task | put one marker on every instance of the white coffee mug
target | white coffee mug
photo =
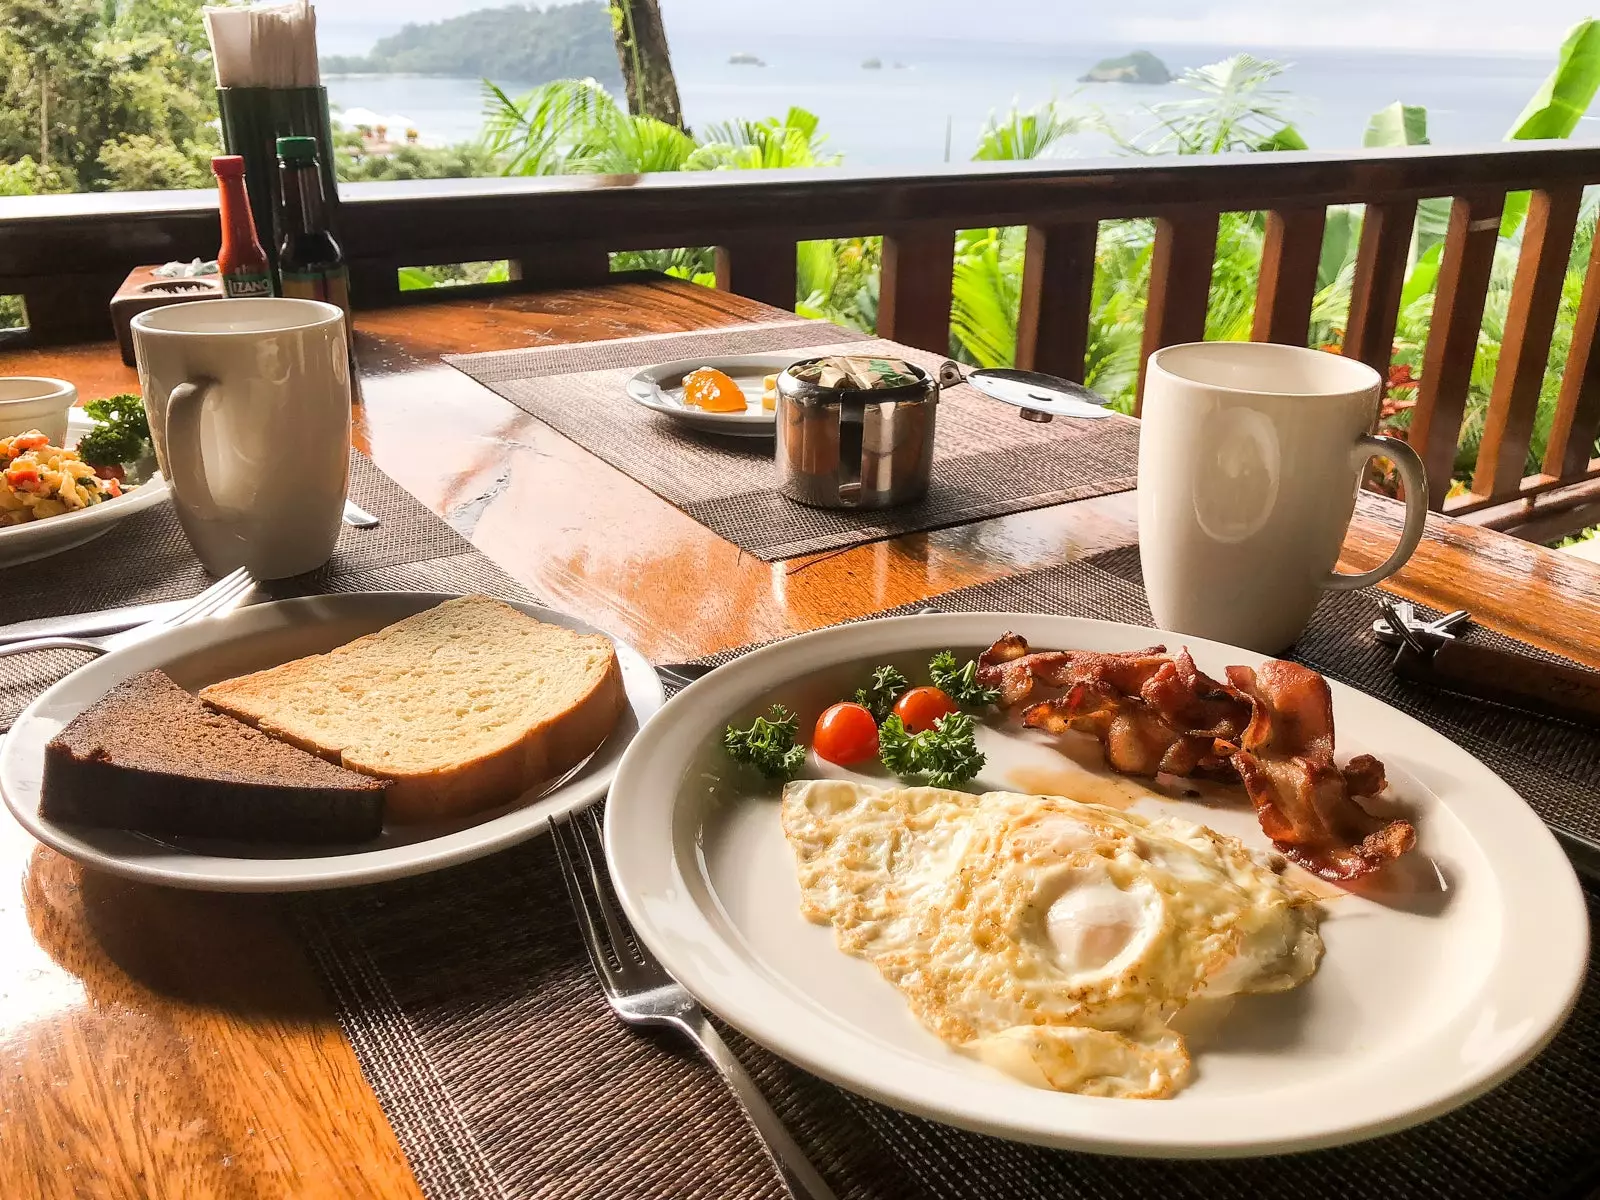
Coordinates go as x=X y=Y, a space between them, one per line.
x=249 y=405
x=1250 y=456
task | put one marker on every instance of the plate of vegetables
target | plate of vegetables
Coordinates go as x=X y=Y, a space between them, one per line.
x=54 y=498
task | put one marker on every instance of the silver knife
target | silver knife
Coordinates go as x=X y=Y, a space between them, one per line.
x=107 y=620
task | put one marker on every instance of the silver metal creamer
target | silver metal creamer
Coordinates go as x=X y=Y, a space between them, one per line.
x=848 y=446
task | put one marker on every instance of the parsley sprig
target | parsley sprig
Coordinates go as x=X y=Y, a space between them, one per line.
x=121 y=433
x=945 y=756
x=887 y=686
x=960 y=683
x=769 y=744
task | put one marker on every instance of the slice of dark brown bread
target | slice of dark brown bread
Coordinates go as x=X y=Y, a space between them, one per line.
x=150 y=756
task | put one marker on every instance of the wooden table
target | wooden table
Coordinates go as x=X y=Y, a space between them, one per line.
x=164 y=1043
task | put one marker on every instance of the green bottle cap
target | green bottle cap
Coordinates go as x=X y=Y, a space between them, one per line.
x=297 y=149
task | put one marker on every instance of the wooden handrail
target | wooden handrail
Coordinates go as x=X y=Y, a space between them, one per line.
x=66 y=254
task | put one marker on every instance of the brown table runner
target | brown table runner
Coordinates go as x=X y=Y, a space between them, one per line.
x=476 y=1017
x=988 y=460
x=146 y=559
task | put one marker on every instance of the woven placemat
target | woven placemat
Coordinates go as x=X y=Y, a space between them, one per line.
x=574 y=358
x=476 y=1017
x=147 y=559
x=987 y=460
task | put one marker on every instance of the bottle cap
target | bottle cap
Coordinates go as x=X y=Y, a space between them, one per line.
x=228 y=166
x=297 y=149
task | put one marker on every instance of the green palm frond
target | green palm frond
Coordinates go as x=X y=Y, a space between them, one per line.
x=1026 y=135
x=1234 y=109
x=986 y=295
x=552 y=129
x=634 y=145
x=771 y=143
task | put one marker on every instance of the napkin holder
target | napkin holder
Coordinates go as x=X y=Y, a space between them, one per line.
x=253 y=119
x=143 y=290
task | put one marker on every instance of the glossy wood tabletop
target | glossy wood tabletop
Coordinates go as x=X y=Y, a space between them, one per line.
x=161 y=1043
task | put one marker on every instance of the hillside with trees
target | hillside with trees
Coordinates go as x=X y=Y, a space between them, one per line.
x=517 y=42
x=104 y=95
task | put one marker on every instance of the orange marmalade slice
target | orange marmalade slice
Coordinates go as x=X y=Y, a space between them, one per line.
x=709 y=389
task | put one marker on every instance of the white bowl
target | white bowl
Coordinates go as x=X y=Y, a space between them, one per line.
x=34 y=402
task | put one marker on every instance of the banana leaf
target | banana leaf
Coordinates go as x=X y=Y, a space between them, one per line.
x=1558 y=105
x=1397 y=125
x=1407 y=125
x=1424 y=276
x=1341 y=238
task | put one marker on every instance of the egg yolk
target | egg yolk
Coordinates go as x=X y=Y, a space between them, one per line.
x=1092 y=923
x=712 y=390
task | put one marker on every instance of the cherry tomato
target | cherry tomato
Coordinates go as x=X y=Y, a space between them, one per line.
x=919 y=708
x=846 y=734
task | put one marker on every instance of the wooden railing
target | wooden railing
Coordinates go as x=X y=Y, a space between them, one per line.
x=66 y=255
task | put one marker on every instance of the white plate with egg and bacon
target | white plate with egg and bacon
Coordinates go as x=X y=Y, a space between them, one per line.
x=1068 y=955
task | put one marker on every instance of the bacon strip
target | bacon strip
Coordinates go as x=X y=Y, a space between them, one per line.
x=1011 y=667
x=1304 y=802
x=1136 y=739
x=1272 y=729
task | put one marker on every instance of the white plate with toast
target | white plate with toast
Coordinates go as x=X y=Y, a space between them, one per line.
x=1441 y=975
x=266 y=636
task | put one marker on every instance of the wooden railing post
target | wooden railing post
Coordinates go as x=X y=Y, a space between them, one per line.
x=1577 y=416
x=1289 y=260
x=760 y=267
x=1453 y=336
x=914 y=290
x=1525 y=344
x=1180 y=286
x=1380 y=278
x=1057 y=290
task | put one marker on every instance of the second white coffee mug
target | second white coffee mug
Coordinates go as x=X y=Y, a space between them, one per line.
x=249 y=406
x=1250 y=456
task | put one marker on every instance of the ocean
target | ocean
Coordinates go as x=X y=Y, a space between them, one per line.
x=929 y=101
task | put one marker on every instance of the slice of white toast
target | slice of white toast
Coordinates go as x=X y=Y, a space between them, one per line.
x=464 y=706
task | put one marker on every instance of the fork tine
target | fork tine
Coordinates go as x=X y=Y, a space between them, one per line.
x=592 y=937
x=217 y=603
x=225 y=589
x=624 y=945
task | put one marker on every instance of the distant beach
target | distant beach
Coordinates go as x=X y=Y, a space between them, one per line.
x=900 y=118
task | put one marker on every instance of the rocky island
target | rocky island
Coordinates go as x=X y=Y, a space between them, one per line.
x=1139 y=67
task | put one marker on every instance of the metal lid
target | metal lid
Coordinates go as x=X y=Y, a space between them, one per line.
x=806 y=391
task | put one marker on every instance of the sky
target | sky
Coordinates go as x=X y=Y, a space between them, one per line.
x=349 y=26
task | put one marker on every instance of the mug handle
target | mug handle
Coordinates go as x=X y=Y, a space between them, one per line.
x=1415 y=476
x=185 y=458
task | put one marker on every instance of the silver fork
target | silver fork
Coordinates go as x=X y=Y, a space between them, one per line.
x=641 y=992
x=216 y=599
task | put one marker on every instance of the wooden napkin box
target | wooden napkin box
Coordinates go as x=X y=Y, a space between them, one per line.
x=143 y=290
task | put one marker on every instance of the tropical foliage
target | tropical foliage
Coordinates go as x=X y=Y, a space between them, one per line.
x=576 y=127
x=98 y=94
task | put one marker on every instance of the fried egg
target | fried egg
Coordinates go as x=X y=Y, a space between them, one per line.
x=1051 y=939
